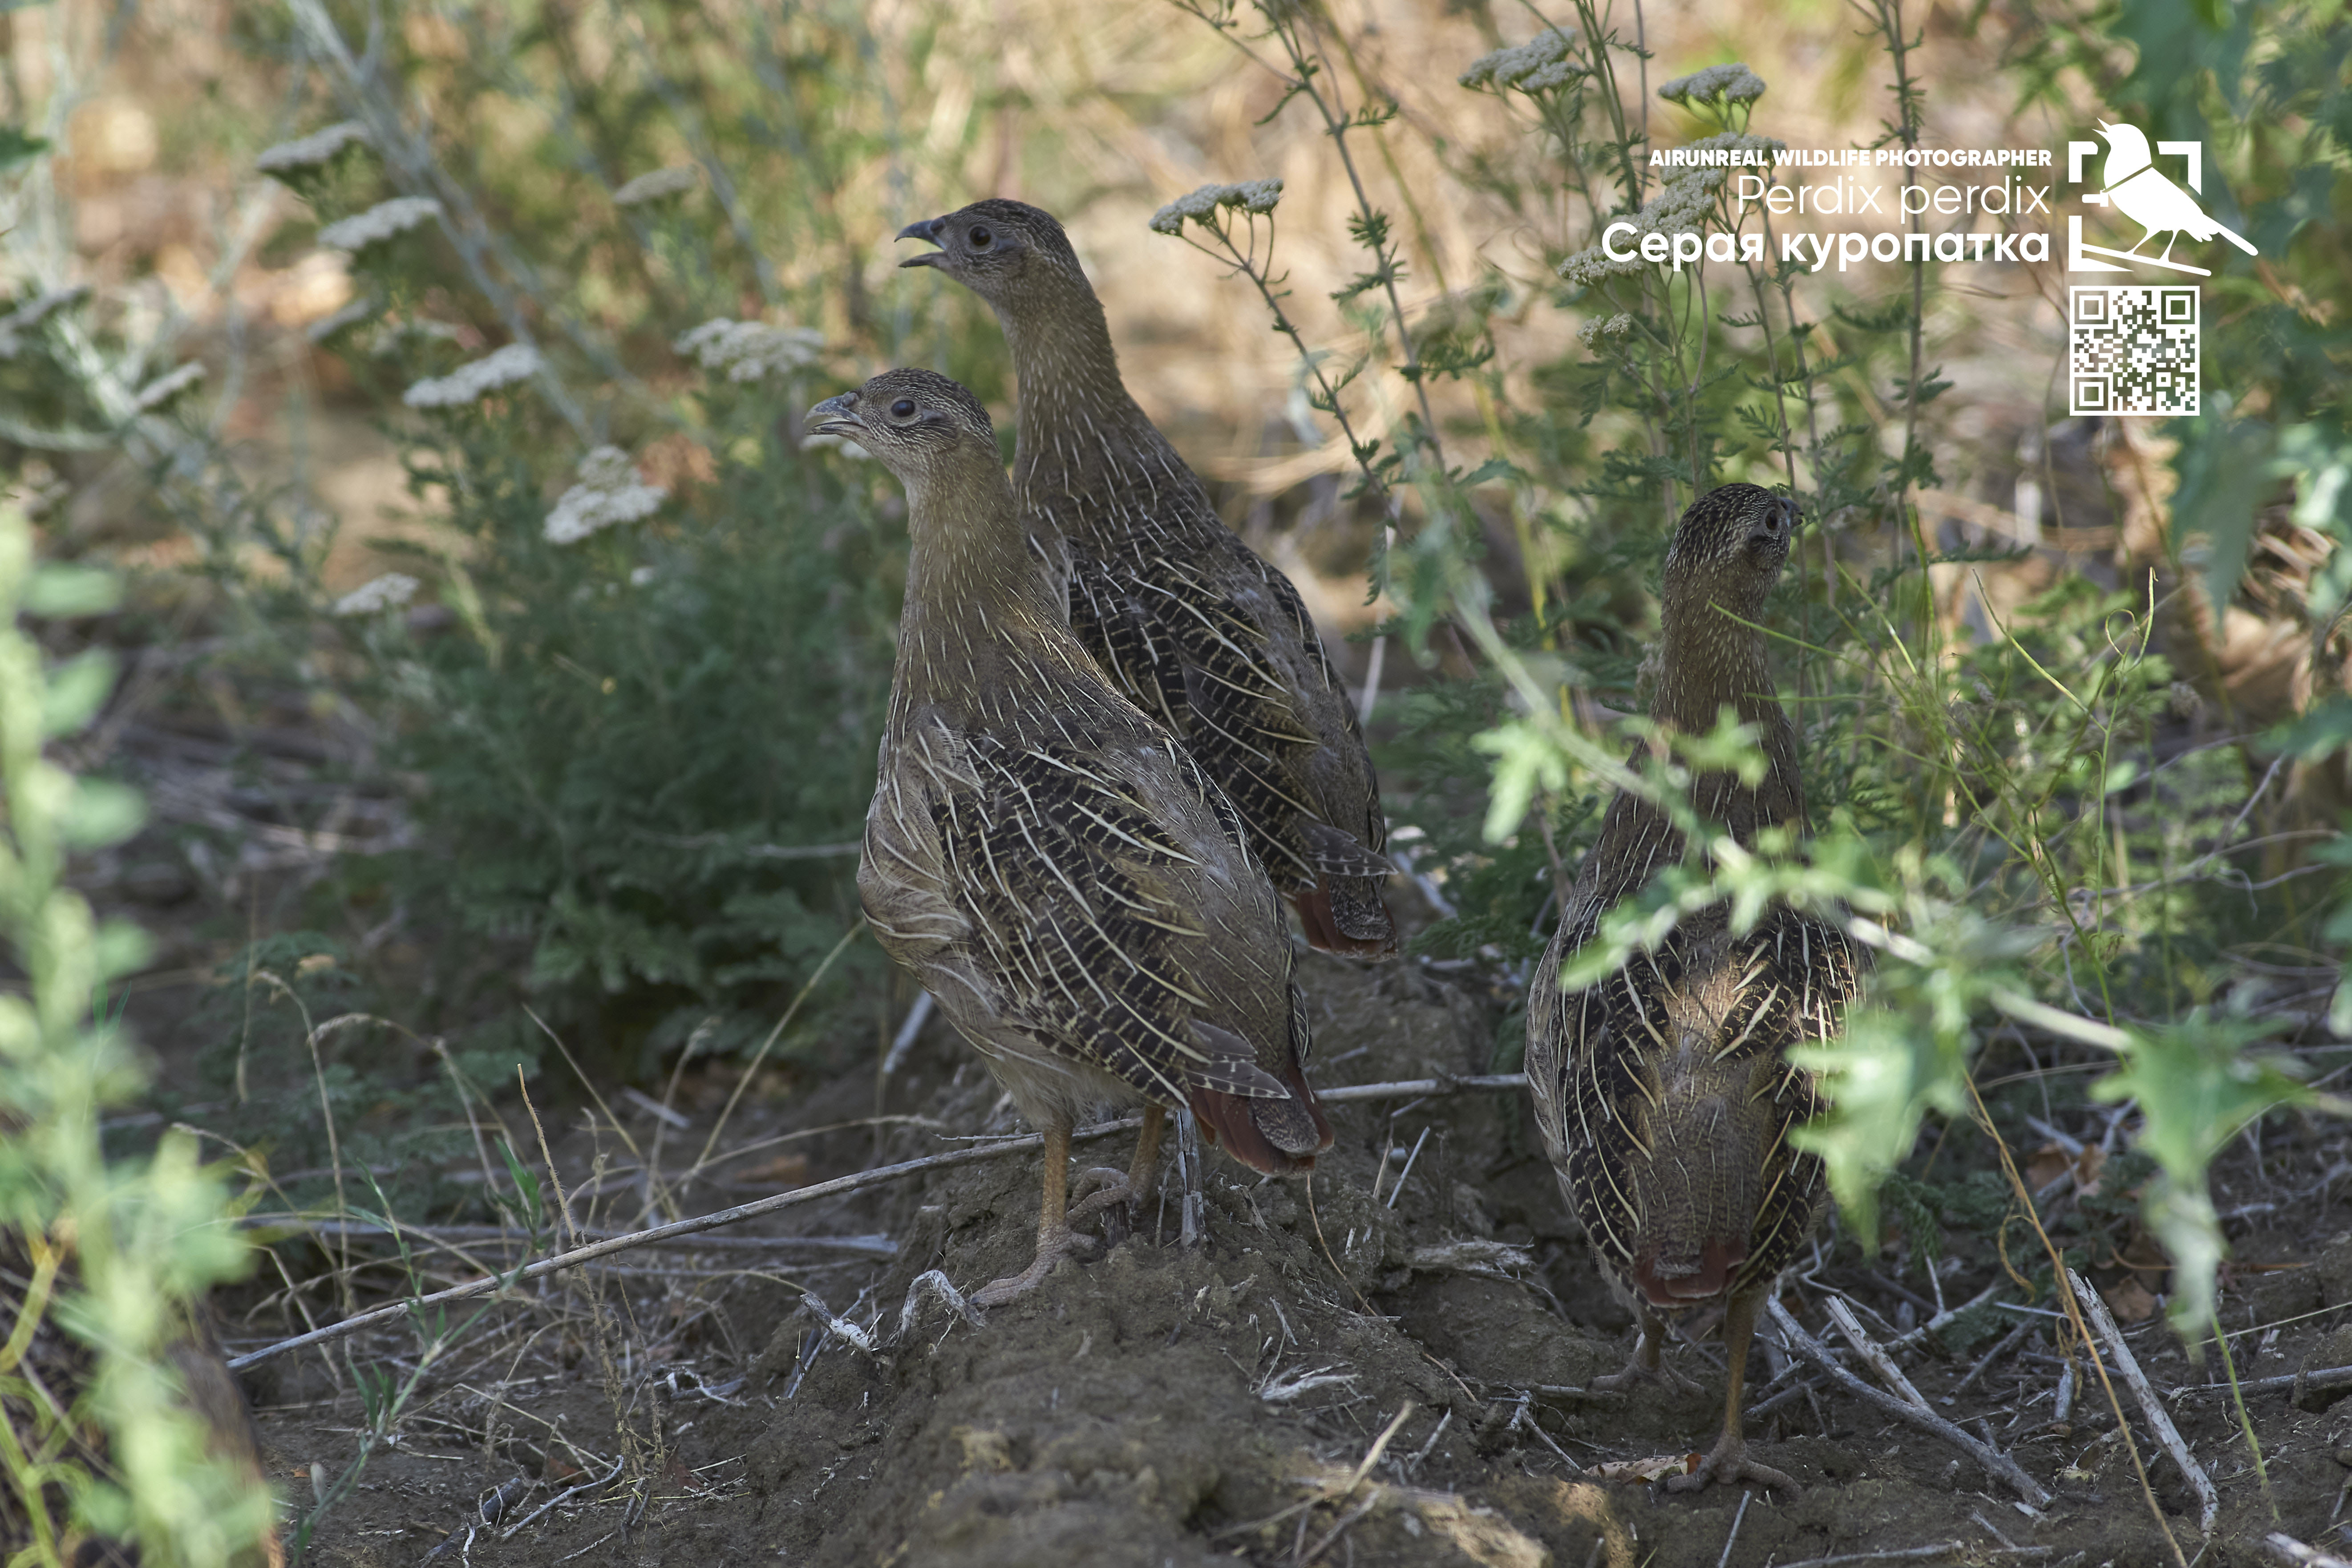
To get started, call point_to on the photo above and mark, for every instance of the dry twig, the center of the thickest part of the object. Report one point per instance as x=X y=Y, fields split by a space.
x=2159 y=1422
x=1994 y=1461
x=1404 y=1089
x=2286 y=1549
x=1880 y=1361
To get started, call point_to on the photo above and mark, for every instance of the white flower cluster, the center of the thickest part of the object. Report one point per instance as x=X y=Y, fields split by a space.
x=842 y=443
x=313 y=151
x=350 y=315
x=380 y=222
x=609 y=491
x=1734 y=82
x=388 y=592
x=469 y=382
x=20 y=322
x=1541 y=62
x=1249 y=196
x=653 y=188
x=164 y=388
x=1684 y=203
x=751 y=350
x=1601 y=327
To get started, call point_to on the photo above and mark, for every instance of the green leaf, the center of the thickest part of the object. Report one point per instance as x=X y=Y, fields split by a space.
x=76 y=690
x=63 y=591
x=2197 y=1085
x=16 y=147
x=1525 y=757
x=101 y=813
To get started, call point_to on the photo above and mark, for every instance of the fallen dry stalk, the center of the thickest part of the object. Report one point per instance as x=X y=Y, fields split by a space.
x=1994 y=1461
x=1880 y=1361
x=1408 y=1088
x=2286 y=1549
x=2159 y=1422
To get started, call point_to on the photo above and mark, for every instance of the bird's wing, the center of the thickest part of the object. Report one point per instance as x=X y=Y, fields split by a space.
x=1111 y=906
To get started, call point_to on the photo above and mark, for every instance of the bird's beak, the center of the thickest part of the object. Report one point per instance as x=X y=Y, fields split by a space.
x=835 y=417
x=928 y=230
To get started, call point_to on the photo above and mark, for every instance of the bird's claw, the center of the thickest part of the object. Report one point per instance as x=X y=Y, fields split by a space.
x=1105 y=1192
x=1051 y=1250
x=1637 y=1373
x=1730 y=1465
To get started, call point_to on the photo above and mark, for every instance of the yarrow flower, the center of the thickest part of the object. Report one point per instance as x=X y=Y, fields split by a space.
x=18 y=323
x=164 y=388
x=842 y=443
x=1255 y=197
x=314 y=151
x=1734 y=83
x=388 y=592
x=653 y=187
x=1601 y=327
x=469 y=382
x=381 y=222
x=1519 y=64
x=350 y=315
x=1685 y=202
x=609 y=491
x=751 y=350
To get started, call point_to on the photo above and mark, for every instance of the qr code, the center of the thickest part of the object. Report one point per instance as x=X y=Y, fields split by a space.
x=2134 y=351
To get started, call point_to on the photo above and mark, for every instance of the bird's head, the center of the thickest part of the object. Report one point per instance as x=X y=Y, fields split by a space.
x=1001 y=250
x=2126 y=141
x=918 y=424
x=1729 y=547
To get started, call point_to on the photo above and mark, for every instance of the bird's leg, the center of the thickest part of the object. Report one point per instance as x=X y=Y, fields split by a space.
x=1055 y=1240
x=2169 y=245
x=1118 y=1197
x=1730 y=1463
x=1647 y=1364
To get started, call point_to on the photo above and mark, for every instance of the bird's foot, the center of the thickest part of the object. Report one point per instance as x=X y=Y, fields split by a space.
x=1052 y=1248
x=1730 y=1465
x=1637 y=1371
x=1105 y=1192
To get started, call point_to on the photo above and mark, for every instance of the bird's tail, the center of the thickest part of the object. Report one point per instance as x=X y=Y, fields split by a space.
x=1274 y=1137
x=2234 y=237
x=1347 y=915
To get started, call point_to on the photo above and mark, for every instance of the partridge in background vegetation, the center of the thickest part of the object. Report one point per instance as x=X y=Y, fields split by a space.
x=1053 y=866
x=1665 y=1093
x=51 y=1373
x=1195 y=628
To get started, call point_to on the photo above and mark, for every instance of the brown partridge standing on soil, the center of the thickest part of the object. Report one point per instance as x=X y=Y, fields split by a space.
x=1665 y=1093
x=50 y=1373
x=1053 y=866
x=1195 y=628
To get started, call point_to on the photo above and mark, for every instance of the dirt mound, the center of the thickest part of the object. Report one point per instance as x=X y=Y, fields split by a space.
x=1386 y=1367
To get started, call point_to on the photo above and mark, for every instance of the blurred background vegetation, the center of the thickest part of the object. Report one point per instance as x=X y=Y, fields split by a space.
x=499 y=668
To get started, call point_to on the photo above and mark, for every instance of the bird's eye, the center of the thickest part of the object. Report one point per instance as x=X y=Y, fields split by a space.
x=903 y=409
x=981 y=239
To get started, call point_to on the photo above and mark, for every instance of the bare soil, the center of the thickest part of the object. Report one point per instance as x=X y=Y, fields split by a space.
x=1326 y=1377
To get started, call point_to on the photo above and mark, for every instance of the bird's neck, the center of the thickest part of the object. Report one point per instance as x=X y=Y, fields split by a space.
x=1708 y=661
x=978 y=593
x=1074 y=407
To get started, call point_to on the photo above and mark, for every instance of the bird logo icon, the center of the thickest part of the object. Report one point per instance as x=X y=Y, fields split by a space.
x=2135 y=187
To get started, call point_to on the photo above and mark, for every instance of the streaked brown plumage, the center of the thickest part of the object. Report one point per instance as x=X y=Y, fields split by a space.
x=1195 y=628
x=1665 y=1093
x=52 y=1373
x=1052 y=864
